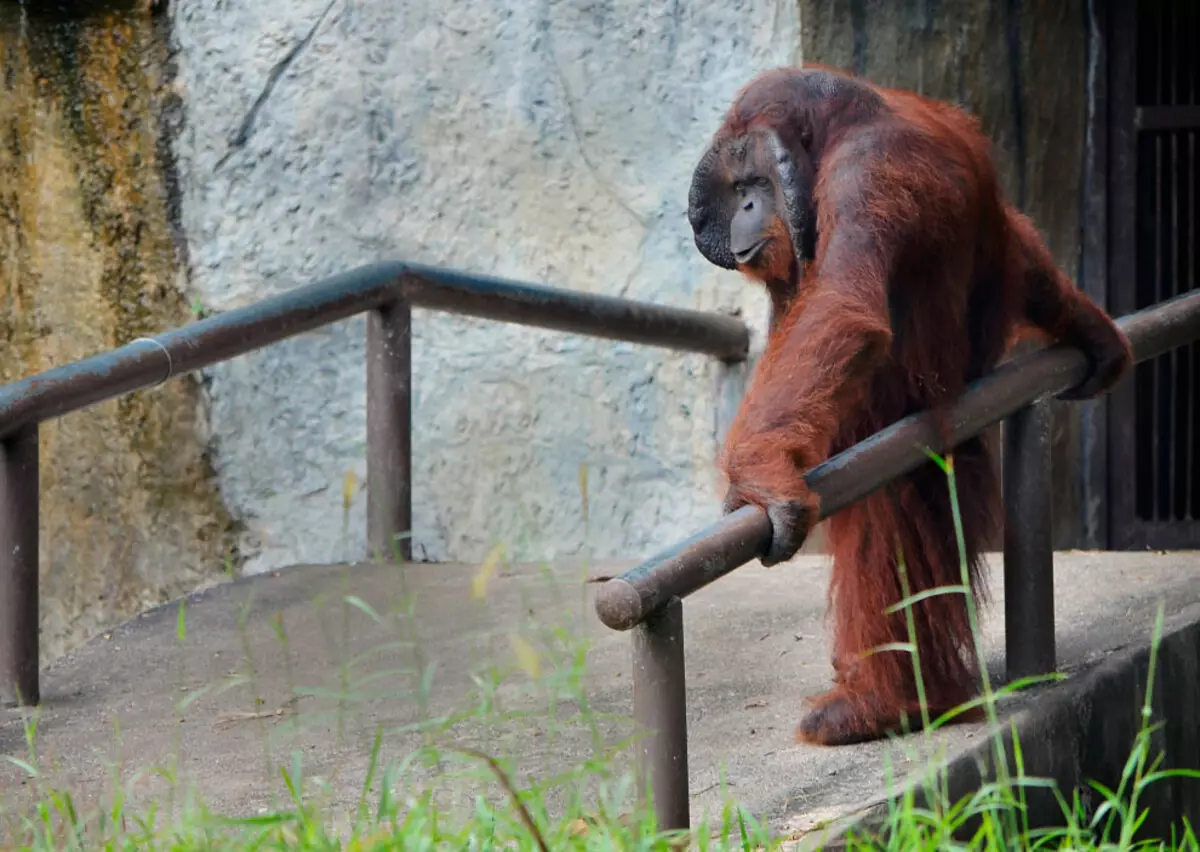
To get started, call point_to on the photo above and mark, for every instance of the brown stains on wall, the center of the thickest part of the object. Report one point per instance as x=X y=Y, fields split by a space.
x=130 y=512
x=1020 y=66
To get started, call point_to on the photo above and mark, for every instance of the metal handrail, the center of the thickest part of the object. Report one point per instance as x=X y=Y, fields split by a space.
x=648 y=598
x=386 y=292
x=151 y=360
x=742 y=536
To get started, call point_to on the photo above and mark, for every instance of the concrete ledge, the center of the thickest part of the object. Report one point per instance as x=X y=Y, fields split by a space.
x=1084 y=730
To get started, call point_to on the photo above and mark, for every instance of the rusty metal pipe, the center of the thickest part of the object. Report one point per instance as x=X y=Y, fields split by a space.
x=387 y=290
x=625 y=601
x=19 y=485
x=389 y=431
x=148 y=361
x=660 y=707
x=1028 y=544
x=720 y=336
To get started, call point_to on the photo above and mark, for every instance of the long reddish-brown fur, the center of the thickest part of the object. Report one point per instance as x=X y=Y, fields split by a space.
x=921 y=277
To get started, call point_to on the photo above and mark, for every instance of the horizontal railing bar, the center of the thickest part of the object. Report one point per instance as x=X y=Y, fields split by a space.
x=723 y=337
x=743 y=535
x=148 y=361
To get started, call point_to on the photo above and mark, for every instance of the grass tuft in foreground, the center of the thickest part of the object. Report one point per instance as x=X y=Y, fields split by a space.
x=454 y=776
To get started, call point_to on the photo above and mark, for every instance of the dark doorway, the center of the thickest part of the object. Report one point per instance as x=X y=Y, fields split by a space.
x=1154 y=180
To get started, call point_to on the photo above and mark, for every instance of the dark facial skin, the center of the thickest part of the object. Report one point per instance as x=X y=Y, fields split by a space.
x=751 y=210
x=761 y=169
x=741 y=216
x=749 y=231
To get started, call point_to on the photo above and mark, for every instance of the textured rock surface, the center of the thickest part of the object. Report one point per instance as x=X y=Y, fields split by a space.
x=545 y=141
x=130 y=515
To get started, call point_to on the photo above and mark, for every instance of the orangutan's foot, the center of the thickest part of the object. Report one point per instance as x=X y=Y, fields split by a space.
x=840 y=717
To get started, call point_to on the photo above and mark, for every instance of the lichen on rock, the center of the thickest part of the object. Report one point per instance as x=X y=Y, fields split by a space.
x=130 y=512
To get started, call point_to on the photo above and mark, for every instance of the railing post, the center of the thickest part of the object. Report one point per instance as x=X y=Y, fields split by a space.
x=1028 y=545
x=389 y=430
x=19 y=568
x=660 y=708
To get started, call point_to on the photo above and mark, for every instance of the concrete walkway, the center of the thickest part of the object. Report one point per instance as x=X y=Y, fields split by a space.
x=755 y=647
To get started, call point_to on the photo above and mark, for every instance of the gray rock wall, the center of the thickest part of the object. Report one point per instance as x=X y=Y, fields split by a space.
x=545 y=141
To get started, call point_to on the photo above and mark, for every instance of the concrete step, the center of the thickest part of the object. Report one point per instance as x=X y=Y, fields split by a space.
x=755 y=644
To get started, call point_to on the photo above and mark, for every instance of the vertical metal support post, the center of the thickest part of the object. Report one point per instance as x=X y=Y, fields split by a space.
x=660 y=708
x=1028 y=546
x=19 y=486
x=731 y=383
x=389 y=430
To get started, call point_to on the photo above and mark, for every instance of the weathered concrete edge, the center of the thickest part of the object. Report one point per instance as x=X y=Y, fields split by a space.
x=1079 y=731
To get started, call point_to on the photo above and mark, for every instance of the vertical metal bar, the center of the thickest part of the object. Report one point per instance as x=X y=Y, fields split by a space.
x=19 y=485
x=1126 y=81
x=389 y=430
x=1028 y=547
x=1170 y=429
x=1191 y=352
x=1156 y=440
x=1193 y=349
x=660 y=707
x=1094 y=268
x=731 y=380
